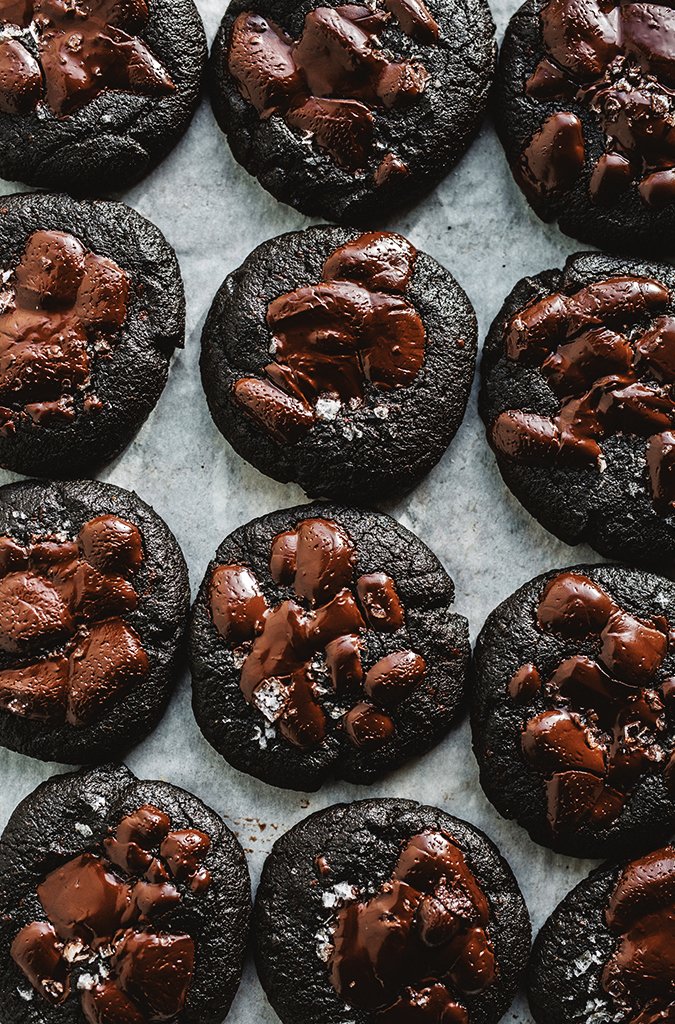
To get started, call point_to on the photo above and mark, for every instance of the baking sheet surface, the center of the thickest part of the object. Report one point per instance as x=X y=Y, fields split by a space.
x=478 y=225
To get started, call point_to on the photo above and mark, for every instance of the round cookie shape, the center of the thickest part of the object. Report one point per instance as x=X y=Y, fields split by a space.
x=349 y=111
x=121 y=900
x=390 y=912
x=584 y=107
x=94 y=598
x=94 y=94
x=339 y=360
x=608 y=947
x=573 y=709
x=577 y=398
x=91 y=311
x=322 y=644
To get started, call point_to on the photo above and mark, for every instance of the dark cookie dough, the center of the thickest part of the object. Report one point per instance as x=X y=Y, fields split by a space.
x=346 y=111
x=91 y=311
x=121 y=902
x=585 y=106
x=573 y=709
x=577 y=397
x=94 y=93
x=322 y=643
x=93 y=601
x=389 y=912
x=341 y=361
x=607 y=952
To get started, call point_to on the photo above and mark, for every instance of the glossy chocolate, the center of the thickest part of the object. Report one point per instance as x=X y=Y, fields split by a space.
x=608 y=355
x=328 y=82
x=84 y=48
x=333 y=338
x=318 y=632
x=101 y=910
x=412 y=951
x=604 y=727
x=616 y=62
x=639 y=975
x=62 y=608
x=60 y=310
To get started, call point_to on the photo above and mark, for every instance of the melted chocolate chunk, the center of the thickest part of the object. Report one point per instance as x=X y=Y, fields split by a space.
x=420 y=944
x=616 y=60
x=611 y=374
x=141 y=975
x=61 y=616
x=326 y=619
x=61 y=305
x=329 y=80
x=84 y=48
x=606 y=724
x=330 y=338
x=639 y=975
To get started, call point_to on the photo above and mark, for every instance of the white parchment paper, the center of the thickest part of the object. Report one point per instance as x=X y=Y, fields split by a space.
x=478 y=225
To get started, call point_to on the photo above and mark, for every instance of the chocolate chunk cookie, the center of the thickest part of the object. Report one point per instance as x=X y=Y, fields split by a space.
x=585 y=107
x=94 y=93
x=121 y=902
x=94 y=597
x=578 y=372
x=350 y=111
x=91 y=310
x=389 y=912
x=341 y=361
x=574 y=709
x=607 y=952
x=322 y=643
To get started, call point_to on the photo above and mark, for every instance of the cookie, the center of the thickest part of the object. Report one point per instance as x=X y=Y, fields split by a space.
x=607 y=952
x=341 y=361
x=322 y=644
x=92 y=308
x=94 y=597
x=94 y=93
x=390 y=912
x=121 y=902
x=577 y=398
x=348 y=112
x=584 y=108
x=573 y=709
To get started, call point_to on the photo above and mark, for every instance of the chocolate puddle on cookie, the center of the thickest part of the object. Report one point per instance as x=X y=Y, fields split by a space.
x=616 y=61
x=328 y=82
x=412 y=951
x=331 y=339
x=61 y=308
x=66 y=651
x=639 y=975
x=300 y=660
x=65 y=53
x=607 y=352
x=100 y=938
x=605 y=726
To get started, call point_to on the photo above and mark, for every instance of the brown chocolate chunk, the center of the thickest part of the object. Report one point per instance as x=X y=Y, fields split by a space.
x=328 y=81
x=333 y=338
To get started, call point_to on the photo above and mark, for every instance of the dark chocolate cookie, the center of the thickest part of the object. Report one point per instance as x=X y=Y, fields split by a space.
x=350 y=111
x=121 y=902
x=585 y=107
x=341 y=361
x=94 y=93
x=607 y=953
x=94 y=597
x=91 y=310
x=389 y=912
x=577 y=397
x=322 y=643
x=574 y=709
